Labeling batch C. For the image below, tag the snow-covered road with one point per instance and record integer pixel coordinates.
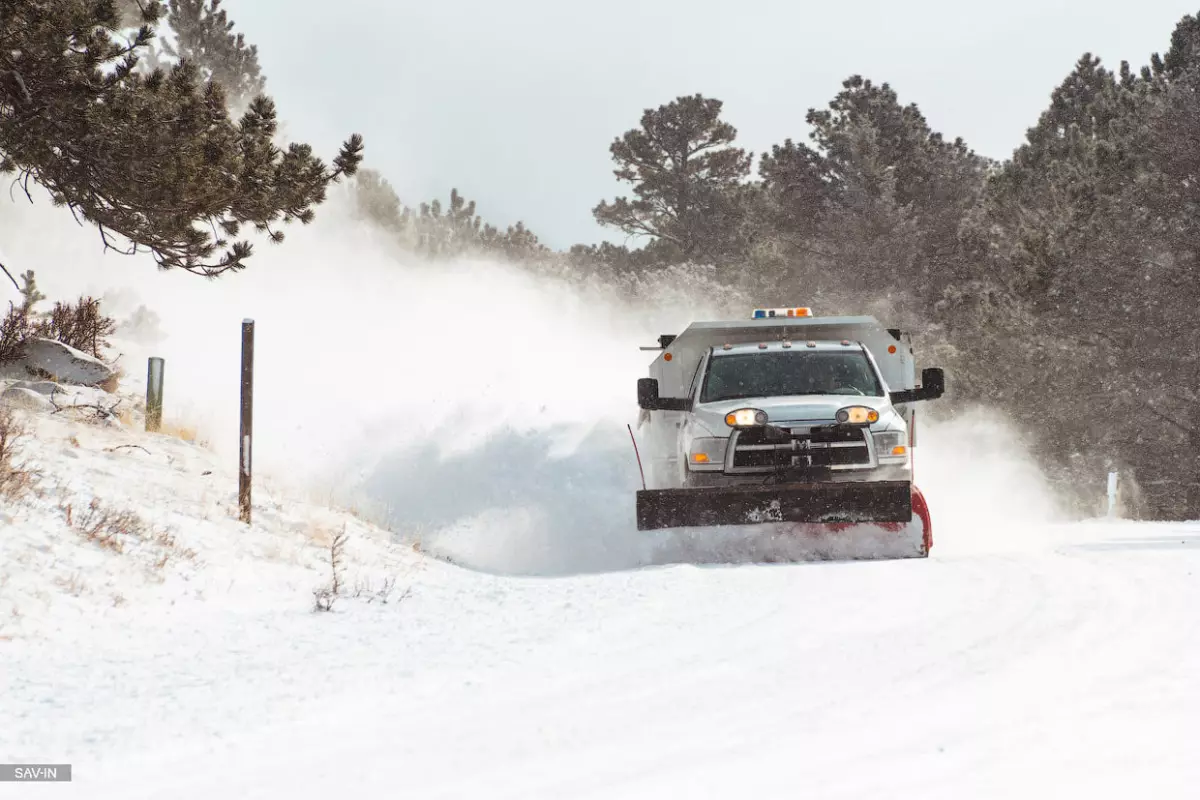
(1063, 669)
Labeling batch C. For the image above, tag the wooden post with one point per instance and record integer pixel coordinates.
(154, 394)
(247, 427)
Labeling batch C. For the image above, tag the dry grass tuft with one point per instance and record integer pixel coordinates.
(185, 433)
(74, 585)
(180, 431)
(106, 527)
(114, 529)
(113, 384)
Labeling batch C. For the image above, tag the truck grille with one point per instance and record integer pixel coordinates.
(755, 450)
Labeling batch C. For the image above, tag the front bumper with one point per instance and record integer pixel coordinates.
(880, 501)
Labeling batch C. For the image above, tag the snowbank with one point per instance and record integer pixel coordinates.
(119, 521)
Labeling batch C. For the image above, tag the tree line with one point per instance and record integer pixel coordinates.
(1057, 285)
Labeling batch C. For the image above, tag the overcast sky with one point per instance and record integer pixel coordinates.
(516, 102)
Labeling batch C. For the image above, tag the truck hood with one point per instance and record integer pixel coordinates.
(796, 408)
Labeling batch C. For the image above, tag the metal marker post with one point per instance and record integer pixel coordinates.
(247, 427)
(1112, 495)
(154, 394)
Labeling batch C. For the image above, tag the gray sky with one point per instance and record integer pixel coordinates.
(516, 102)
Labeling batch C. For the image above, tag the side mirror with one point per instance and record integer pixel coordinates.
(933, 383)
(933, 386)
(648, 393)
(647, 390)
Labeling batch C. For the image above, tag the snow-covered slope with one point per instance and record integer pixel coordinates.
(120, 520)
(1061, 664)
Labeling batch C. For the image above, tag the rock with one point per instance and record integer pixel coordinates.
(41, 387)
(65, 363)
(20, 397)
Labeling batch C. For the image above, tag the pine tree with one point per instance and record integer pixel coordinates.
(377, 201)
(686, 178)
(877, 155)
(204, 35)
(800, 185)
(152, 159)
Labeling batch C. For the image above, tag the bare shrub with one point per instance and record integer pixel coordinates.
(80, 325)
(325, 596)
(18, 323)
(16, 479)
(89, 412)
(382, 594)
(14, 330)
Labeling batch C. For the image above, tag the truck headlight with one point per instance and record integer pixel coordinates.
(891, 446)
(707, 454)
(746, 418)
(857, 415)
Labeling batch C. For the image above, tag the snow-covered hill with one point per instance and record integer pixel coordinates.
(118, 520)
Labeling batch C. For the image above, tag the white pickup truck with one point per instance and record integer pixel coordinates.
(783, 417)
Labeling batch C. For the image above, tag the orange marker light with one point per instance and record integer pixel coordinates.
(899, 450)
(668, 356)
(891, 348)
(702, 458)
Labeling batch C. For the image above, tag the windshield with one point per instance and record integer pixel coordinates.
(777, 374)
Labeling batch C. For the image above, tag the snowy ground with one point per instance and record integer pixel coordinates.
(575, 657)
(1056, 662)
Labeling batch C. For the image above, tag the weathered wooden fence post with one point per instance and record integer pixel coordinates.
(247, 428)
(154, 393)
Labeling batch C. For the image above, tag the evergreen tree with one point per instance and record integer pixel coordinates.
(436, 231)
(800, 184)
(1088, 223)
(1184, 53)
(377, 201)
(686, 178)
(881, 162)
(204, 35)
(153, 159)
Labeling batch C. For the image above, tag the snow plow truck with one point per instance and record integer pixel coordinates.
(790, 420)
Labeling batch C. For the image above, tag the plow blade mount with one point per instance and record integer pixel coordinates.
(882, 502)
